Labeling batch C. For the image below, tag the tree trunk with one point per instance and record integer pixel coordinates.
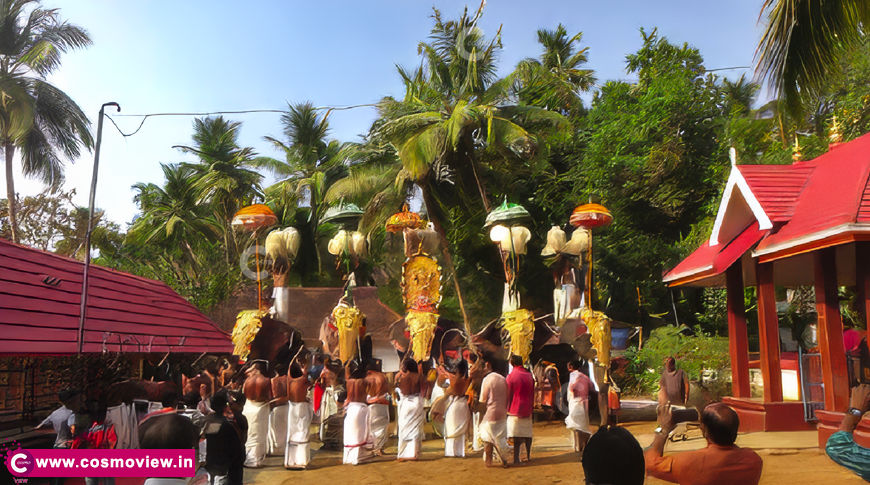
(469, 149)
(9, 149)
(448, 259)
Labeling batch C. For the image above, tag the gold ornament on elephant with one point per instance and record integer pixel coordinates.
(247, 325)
(422, 329)
(599, 326)
(520, 325)
(349, 322)
(421, 283)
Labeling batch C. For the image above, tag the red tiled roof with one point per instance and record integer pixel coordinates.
(776, 187)
(832, 196)
(811, 204)
(712, 260)
(864, 206)
(125, 312)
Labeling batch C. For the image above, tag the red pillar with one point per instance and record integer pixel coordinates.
(738, 341)
(768, 333)
(834, 371)
(862, 278)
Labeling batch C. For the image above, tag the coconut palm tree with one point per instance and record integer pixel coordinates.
(803, 41)
(223, 176)
(556, 79)
(171, 216)
(312, 164)
(456, 110)
(38, 119)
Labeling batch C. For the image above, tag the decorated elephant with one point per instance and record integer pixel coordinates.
(258, 336)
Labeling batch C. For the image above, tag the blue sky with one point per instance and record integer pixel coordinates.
(203, 56)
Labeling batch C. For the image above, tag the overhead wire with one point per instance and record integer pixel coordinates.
(209, 113)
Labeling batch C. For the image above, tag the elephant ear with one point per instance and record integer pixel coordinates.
(583, 346)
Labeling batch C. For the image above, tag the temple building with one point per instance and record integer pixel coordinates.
(804, 224)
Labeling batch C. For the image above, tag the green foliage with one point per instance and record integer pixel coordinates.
(653, 154)
(36, 118)
(803, 43)
(694, 354)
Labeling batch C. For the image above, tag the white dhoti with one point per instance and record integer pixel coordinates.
(577, 419)
(357, 447)
(278, 430)
(519, 427)
(456, 421)
(379, 419)
(123, 418)
(257, 414)
(298, 452)
(495, 433)
(476, 442)
(410, 420)
(328, 407)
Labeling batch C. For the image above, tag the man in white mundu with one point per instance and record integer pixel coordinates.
(493, 424)
(297, 452)
(278, 414)
(379, 409)
(258, 391)
(357, 439)
(457, 417)
(578, 396)
(411, 411)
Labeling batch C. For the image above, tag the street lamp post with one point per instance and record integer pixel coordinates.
(84, 300)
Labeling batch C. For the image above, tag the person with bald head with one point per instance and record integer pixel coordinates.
(720, 463)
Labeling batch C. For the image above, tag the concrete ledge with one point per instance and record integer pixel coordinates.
(756, 415)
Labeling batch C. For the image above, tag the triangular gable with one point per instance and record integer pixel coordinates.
(738, 208)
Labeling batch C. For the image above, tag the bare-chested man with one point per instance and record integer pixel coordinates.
(258, 391)
(298, 452)
(457, 417)
(377, 390)
(411, 411)
(357, 447)
(278, 412)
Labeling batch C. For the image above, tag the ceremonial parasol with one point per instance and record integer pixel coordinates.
(343, 214)
(251, 219)
(590, 216)
(405, 219)
(507, 214)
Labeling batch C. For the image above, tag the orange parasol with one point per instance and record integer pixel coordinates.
(405, 219)
(591, 215)
(254, 217)
(250, 219)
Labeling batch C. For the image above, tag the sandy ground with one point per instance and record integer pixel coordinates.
(786, 461)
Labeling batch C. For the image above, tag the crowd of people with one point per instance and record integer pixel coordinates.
(271, 412)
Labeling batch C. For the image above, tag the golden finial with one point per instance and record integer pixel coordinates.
(796, 151)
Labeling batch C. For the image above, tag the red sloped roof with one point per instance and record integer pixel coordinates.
(709, 260)
(125, 312)
(776, 187)
(832, 196)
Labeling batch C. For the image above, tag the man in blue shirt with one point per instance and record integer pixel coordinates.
(841, 445)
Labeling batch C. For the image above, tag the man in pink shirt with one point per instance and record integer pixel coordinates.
(493, 425)
(521, 401)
